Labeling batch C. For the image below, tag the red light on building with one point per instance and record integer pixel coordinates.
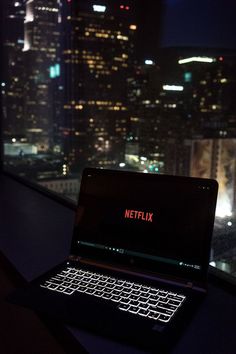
(123, 7)
(221, 58)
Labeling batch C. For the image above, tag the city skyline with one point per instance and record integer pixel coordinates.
(82, 93)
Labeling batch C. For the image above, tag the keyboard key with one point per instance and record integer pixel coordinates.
(162, 310)
(89, 291)
(127, 290)
(135, 292)
(152, 302)
(164, 318)
(153, 291)
(133, 309)
(60, 288)
(120, 282)
(98, 293)
(143, 306)
(143, 312)
(155, 297)
(168, 306)
(145, 289)
(73, 286)
(115, 298)
(66, 283)
(68, 291)
(106, 296)
(128, 284)
(134, 302)
(173, 302)
(136, 287)
(143, 299)
(100, 288)
(124, 300)
(81, 289)
(124, 307)
(52, 286)
(154, 315)
(134, 297)
(163, 294)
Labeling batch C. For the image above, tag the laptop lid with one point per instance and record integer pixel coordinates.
(156, 224)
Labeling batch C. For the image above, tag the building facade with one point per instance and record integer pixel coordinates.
(42, 63)
(13, 72)
(97, 57)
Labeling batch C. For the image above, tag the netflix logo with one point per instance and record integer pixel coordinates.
(138, 214)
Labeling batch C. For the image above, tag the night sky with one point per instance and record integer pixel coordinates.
(191, 23)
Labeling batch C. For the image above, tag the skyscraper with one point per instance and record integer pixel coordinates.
(13, 71)
(97, 57)
(42, 66)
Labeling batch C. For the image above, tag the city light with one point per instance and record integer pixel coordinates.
(133, 27)
(223, 208)
(123, 7)
(122, 164)
(64, 169)
(196, 59)
(172, 87)
(54, 71)
(149, 62)
(188, 77)
(99, 8)
(26, 46)
(29, 15)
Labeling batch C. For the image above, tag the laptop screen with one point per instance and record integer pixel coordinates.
(156, 223)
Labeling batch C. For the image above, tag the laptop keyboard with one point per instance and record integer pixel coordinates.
(136, 298)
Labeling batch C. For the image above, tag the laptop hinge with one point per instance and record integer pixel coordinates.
(188, 284)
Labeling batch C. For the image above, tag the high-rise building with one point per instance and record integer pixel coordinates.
(155, 119)
(42, 40)
(13, 71)
(209, 101)
(97, 57)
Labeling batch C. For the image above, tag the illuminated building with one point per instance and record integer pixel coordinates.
(13, 71)
(42, 70)
(97, 58)
(155, 120)
(209, 103)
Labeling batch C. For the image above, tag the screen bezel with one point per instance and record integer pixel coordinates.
(135, 263)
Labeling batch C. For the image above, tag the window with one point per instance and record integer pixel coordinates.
(138, 85)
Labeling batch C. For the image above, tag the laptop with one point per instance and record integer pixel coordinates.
(137, 270)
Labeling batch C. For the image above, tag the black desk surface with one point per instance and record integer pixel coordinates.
(35, 236)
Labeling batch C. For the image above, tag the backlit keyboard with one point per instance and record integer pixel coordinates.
(136, 298)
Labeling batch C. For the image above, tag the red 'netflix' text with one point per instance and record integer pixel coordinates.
(137, 214)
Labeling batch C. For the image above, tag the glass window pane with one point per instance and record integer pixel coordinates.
(137, 85)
